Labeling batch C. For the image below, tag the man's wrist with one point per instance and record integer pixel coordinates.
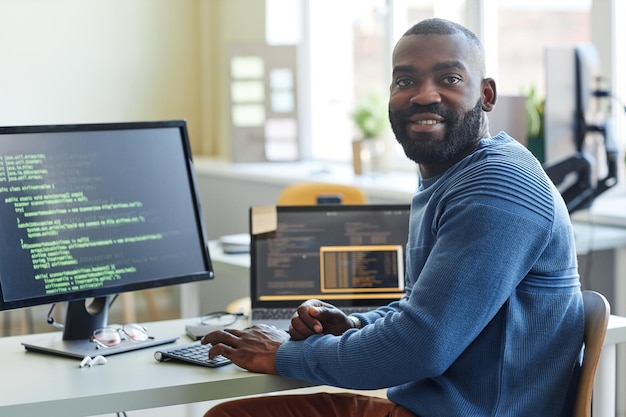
(356, 323)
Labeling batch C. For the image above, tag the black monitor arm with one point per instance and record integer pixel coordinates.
(574, 177)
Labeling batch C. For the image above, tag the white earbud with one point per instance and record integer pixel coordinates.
(85, 362)
(98, 360)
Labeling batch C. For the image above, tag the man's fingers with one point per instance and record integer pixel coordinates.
(220, 349)
(309, 316)
(224, 342)
(299, 331)
(226, 336)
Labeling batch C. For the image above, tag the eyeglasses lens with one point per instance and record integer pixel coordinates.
(135, 332)
(108, 336)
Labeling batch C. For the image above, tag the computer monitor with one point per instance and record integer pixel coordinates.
(580, 148)
(88, 211)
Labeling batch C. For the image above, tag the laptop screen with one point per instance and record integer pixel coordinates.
(347, 255)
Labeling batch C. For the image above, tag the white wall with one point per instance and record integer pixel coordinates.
(82, 61)
(73, 61)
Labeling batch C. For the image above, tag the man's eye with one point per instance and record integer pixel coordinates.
(451, 79)
(404, 82)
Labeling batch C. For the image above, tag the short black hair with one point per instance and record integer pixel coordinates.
(438, 26)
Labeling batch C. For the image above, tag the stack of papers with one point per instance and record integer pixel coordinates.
(237, 243)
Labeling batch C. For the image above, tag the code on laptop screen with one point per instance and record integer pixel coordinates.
(332, 253)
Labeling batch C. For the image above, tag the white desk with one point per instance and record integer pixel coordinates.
(39, 384)
(608, 209)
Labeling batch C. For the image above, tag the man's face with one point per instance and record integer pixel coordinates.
(435, 105)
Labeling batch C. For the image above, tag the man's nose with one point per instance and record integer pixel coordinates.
(426, 93)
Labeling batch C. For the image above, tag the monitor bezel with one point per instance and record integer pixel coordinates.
(206, 274)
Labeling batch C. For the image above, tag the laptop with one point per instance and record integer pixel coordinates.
(351, 256)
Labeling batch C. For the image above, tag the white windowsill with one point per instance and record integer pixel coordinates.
(392, 186)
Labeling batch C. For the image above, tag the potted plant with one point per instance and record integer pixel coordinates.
(535, 123)
(371, 120)
(370, 117)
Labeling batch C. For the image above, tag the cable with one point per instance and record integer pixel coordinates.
(113, 298)
(51, 320)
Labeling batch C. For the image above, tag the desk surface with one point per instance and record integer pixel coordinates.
(608, 209)
(39, 384)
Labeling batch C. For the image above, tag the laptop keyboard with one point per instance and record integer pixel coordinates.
(272, 314)
(195, 353)
(287, 313)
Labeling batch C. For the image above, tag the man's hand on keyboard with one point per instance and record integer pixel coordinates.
(318, 317)
(253, 348)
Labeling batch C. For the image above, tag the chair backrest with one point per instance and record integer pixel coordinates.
(311, 193)
(597, 311)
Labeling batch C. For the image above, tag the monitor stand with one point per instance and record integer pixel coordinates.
(54, 344)
(81, 320)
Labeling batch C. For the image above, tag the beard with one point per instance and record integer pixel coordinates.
(461, 133)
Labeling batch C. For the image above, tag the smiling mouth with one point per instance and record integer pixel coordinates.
(426, 122)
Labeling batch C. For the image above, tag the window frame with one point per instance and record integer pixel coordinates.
(480, 16)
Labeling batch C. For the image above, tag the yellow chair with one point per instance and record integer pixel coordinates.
(597, 311)
(312, 193)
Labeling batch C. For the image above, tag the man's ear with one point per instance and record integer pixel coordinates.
(489, 94)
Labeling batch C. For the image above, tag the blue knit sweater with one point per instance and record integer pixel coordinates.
(492, 321)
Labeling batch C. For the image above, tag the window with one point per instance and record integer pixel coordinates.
(521, 59)
(263, 102)
(345, 53)
(352, 62)
(345, 58)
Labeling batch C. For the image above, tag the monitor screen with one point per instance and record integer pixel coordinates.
(347, 255)
(89, 211)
